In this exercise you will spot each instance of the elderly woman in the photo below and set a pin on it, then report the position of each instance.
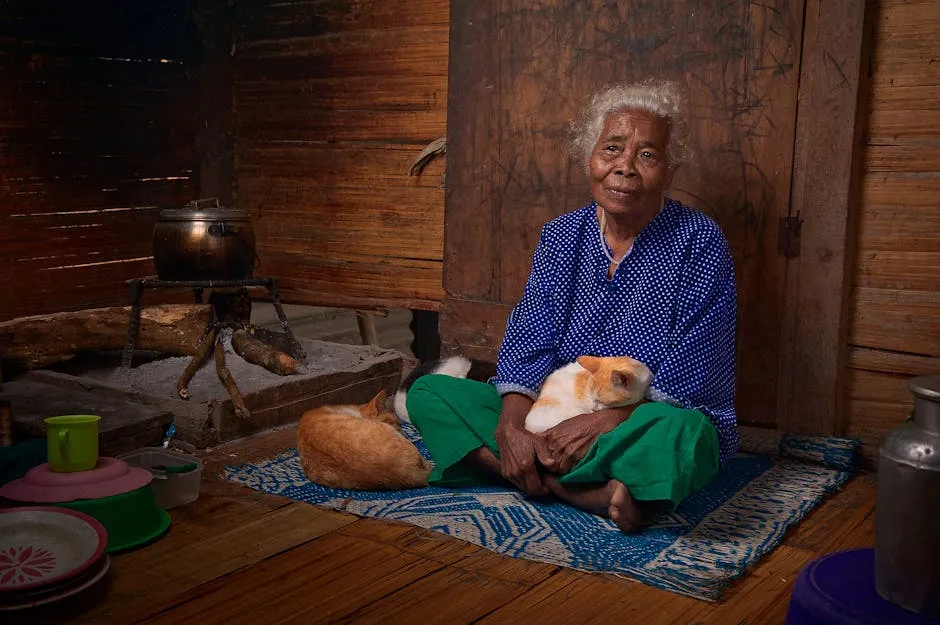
(632, 273)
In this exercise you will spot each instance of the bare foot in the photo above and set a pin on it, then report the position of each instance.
(622, 510)
(611, 500)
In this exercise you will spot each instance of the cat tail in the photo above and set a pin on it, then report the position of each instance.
(454, 366)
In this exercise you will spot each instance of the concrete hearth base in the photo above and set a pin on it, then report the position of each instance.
(137, 404)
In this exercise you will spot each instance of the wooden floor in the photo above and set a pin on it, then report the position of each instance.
(238, 556)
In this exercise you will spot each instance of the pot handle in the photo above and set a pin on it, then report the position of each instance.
(222, 229)
(200, 204)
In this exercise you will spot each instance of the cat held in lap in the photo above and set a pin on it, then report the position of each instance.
(589, 384)
(359, 447)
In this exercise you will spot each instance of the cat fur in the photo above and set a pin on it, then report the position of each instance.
(359, 448)
(589, 384)
(454, 366)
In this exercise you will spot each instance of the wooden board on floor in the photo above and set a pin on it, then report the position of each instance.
(240, 555)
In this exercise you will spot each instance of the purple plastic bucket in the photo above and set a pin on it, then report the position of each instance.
(839, 589)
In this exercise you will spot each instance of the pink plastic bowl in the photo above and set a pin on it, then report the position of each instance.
(110, 477)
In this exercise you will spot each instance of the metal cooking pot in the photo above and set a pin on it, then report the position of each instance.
(203, 241)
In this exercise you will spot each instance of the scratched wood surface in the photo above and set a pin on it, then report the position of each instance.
(824, 195)
(519, 73)
(96, 134)
(236, 555)
(895, 306)
(333, 101)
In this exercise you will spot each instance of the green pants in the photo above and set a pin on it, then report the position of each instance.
(661, 453)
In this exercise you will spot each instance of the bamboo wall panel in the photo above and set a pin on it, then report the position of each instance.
(96, 135)
(876, 398)
(333, 101)
(895, 330)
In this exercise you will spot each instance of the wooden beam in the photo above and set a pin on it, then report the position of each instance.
(824, 197)
(471, 216)
(214, 139)
(367, 332)
(41, 340)
(892, 362)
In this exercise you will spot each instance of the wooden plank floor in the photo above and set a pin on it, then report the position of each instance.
(238, 556)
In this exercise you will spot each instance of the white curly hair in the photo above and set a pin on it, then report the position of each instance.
(662, 98)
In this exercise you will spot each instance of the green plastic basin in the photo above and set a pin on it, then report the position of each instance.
(131, 519)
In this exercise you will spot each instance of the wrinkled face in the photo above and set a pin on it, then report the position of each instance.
(629, 169)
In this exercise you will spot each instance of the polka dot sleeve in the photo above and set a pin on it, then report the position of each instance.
(698, 368)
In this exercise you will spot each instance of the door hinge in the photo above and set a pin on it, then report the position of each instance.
(788, 239)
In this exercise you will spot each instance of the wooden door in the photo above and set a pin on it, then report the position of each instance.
(520, 70)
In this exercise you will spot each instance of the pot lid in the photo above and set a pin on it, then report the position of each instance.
(110, 477)
(203, 210)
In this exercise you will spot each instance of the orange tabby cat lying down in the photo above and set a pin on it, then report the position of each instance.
(359, 448)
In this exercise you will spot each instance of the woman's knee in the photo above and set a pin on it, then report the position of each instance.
(428, 385)
(425, 397)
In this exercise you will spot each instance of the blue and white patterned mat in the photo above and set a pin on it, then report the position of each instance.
(697, 550)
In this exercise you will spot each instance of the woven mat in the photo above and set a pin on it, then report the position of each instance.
(714, 536)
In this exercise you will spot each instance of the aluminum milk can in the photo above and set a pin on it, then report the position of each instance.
(907, 525)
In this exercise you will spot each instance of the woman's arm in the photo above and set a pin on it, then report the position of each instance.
(519, 449)
(698, 370)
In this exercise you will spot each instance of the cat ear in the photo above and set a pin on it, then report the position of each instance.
(374, 406)
(622, 378)
(591, 363)
(378, 402)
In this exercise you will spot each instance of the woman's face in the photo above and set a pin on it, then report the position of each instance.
(629, 168)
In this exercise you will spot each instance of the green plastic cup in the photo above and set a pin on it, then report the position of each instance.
(72, 442)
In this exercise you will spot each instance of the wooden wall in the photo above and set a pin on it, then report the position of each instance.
(333, 101)
(520, 72)
(895, 307)
(97, 126)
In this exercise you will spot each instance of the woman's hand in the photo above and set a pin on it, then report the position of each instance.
(569, 441)
(519, 449)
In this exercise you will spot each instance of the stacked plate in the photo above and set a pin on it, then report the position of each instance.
(48, 554)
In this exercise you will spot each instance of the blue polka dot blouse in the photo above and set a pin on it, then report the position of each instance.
(671, 304)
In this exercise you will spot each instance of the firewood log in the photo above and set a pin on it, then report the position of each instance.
(202, 353)
(241, 410)
(35, 342)
(258, 353)
(278, 341)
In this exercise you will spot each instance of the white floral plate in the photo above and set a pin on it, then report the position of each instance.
(58, 592)
(44, 545)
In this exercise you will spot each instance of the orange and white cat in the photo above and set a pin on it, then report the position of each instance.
(589, 384)
(359, 448)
